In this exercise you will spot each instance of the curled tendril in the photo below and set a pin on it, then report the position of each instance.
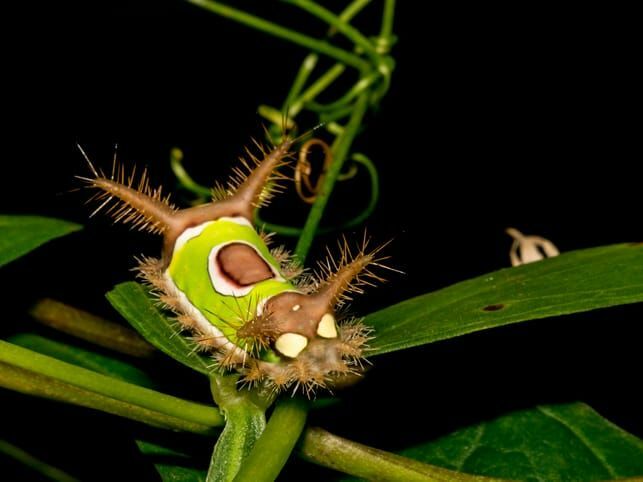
(184, 179)
(303, 170)
(357, 161)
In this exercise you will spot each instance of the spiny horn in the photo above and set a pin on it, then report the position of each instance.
(350, 274)
(129, 200)
(257, 187)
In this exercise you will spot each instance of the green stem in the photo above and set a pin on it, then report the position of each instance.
(92, 328)
(330, 177)
(307, 66)
(375, 191)
(35, 464)
(176, 163)
(387, 19)
(276, 30)
(273, 448)
(34, 384)
(341, 26)
(84, 358)
(309, 63)
(316, 88)
(328, 450)
(60, 373)
(360, 86)
(353, 9)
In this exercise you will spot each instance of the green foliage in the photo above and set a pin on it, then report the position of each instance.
(570, 283)
(562, 442)
(546, 443)
(133, 302)
(21, 234)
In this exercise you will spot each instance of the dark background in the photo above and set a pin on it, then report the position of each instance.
(522, 117)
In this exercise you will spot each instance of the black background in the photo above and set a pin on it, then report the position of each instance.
(497, 117)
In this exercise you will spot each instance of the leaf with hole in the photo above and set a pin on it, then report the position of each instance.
(573, 282)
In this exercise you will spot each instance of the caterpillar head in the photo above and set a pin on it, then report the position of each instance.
(315, 348)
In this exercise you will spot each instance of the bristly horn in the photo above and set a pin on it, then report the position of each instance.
(140, 205)
(136, 202)
(350, 274)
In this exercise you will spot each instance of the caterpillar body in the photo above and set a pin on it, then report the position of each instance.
(248, 305)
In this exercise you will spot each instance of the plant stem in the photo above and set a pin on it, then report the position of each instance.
(387, 19)
(276, 30)
(340, 153)
(341, 26)
(35, 464)
(129, 395)
(92, 328)
(273, 448)
(307, 66)
(34, 384)
(328, 450)
(316, 88)
(176, 163)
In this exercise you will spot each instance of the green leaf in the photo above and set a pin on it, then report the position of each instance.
(171, 465)
(84, 358)
(21, 234)
(133, 302)
(32, 373)
(546, 443)
(572, 282)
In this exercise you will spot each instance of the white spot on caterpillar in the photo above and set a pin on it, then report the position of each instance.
(327, 328)
(296, 307)
(291, 344)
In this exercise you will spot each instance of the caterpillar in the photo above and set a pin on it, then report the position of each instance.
(253, 308)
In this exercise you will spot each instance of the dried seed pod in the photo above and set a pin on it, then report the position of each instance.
(527, 249)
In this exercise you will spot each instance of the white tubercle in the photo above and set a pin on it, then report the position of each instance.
(291, 344)
(327, 328)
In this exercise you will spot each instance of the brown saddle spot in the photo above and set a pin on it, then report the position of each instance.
(243, 265)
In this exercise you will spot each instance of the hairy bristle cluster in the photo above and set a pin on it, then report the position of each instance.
(247, 164)
(289, 266)
(129, 198)
(349, 272)
(312, 371)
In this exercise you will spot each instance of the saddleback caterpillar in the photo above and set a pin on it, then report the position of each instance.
(251, 307)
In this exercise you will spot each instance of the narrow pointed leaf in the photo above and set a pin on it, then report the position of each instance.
(573, 282)
(547, 443)
(133, 302)
(21, 234)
